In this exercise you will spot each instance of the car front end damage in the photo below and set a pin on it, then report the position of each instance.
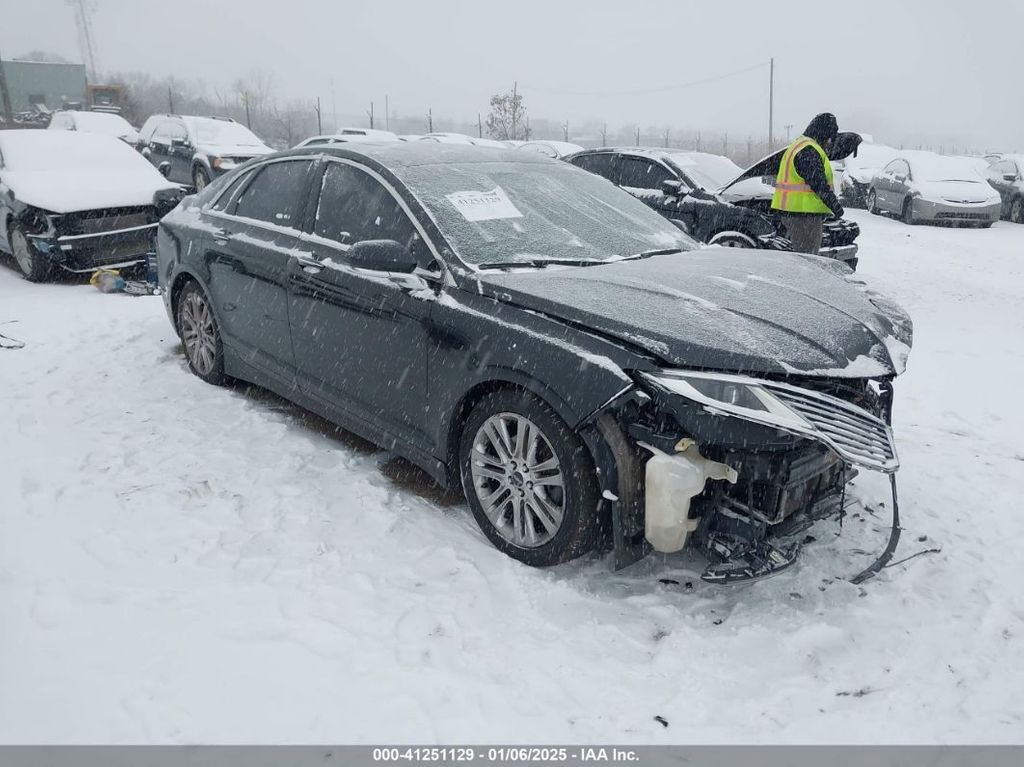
(83, 241)
(738, 467)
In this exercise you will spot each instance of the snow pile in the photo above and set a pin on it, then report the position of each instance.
(183, 563)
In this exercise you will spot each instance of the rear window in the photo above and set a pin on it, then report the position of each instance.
(276, 194)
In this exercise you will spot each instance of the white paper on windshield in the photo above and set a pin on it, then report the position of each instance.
(484, 206)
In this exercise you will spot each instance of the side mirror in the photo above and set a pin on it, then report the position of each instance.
(164, 168)
(179, 143)
(900, 178)
(672, 187)
(1009, 177)
(382, 256)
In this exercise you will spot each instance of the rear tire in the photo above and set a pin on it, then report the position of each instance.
(197, 328)
(34, 266)
(529, 479)
(872, 202)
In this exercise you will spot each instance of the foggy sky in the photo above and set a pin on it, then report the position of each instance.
(916, 72)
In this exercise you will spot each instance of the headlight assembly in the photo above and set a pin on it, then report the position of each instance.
(853, 433)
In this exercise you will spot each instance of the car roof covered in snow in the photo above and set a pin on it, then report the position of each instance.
(405, 153)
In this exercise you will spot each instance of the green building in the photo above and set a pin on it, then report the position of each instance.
(38, 82)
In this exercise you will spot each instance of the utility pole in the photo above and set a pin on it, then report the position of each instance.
(604, 135)
(515, 107)
(479, 126)
(430, 120)
(638, 135)
(387, 113)
(319, 122)
(5, 95)
(248, 117)
(334, 109)
(771, 105)
(665, 136)
(565, 131)
(371, 115)
(698, 141)
(170, 100)
(788, 129)
(750, 150)
(725, 143)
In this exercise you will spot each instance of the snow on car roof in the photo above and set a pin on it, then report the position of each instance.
(27, 150)
(102, 122)
(405, 153)
(929, 166)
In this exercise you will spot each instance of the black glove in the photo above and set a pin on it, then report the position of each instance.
(838, 211)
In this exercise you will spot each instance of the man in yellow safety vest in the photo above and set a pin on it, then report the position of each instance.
(804, 193)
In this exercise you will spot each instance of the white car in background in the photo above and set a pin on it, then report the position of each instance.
(555, 149)
(106, 123)
(351, 136)
(923, 186)
(462, 138)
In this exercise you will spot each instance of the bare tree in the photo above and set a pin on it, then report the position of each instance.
(507, 118)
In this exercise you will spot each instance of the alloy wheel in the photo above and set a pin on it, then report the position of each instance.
(198, 333)
(518, 480)
(22, 254)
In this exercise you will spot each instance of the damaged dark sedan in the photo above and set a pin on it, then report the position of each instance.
(77, 201)
(523, 329)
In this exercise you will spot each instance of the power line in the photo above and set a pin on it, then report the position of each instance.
(646, 91)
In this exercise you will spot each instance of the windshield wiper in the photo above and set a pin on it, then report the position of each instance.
(540, 263)
(649, 253)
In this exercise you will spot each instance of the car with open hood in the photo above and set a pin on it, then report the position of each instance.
(1006, 175)
(77, 201)
(681, 186)
(194, 150)
(754, 187)
(920, 186)
(585, 371)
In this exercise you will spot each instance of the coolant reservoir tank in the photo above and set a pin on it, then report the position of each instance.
(672, 481)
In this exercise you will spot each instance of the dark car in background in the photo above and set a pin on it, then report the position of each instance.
(1006, 175)
(195, 150)
(77, 201)
(524, 329)
(681, 186)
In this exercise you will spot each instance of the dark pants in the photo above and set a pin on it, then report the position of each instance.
(804, 231)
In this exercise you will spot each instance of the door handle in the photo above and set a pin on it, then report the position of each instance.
(309, 264)
(221, 236)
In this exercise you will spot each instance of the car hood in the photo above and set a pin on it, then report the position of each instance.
(726, 309)
(955, 191)
(235, 150)
(71, 190)
(768, 168)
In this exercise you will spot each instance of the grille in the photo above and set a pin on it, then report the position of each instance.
(109, 220)
(856, 435)
(972, 216)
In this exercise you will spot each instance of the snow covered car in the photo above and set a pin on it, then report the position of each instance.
(754, 187)
(860, 169)
(681, 187)
(77, 201)
(196, 150)
(921, 186)
(523, 329)
(351, 135)
(1006, 175)
(96, 122)
(555, 149)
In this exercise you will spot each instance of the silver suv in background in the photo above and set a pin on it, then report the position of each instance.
(195, 150)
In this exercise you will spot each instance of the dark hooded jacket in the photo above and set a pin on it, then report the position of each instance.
(822, 129)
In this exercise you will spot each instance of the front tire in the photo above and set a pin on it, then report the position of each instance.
(35, 266)
(200, 178)
(872, 202)
(732, 240)
(529, 479)
(200, 335)
(1017, 211)
(908, 212)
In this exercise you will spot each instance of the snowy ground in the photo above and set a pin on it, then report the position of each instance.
(182, 563)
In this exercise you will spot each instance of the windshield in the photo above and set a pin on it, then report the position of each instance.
(42, 150)
(525, 212)
(710, 171)
(940, 168)
(871, 156)
(210, 131)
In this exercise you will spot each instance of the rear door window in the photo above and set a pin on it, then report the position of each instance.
(602, 164)
(226, 196)
(277, 194)
(641, 173)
